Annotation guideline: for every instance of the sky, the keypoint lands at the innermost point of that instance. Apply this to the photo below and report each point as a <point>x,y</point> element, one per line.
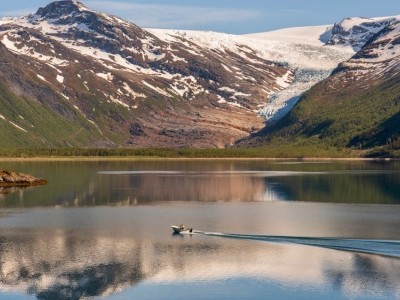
<point>229,16</point>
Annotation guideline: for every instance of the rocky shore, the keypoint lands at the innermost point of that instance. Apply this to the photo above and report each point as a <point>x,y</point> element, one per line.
<point>8,179</point>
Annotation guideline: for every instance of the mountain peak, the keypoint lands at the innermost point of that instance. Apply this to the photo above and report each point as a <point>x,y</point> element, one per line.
<point>357,31</point>
<point>59,9</point>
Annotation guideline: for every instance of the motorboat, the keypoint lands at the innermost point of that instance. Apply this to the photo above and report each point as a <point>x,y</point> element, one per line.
<point>181,228</point>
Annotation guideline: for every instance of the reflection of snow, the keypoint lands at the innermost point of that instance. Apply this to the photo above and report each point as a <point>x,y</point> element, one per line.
<point>270,194</point>
<point>273,192</point>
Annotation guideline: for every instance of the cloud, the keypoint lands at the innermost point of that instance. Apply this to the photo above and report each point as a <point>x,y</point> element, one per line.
<point>295,11</point>
<point>172,16</point>
<point>16,13</point>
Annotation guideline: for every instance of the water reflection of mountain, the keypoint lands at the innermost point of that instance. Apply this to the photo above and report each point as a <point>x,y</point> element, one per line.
<point>54,264</point>
<point>344,188</point>
<point>203,187</point>
<point>88,188</point>
<point>80,184</point>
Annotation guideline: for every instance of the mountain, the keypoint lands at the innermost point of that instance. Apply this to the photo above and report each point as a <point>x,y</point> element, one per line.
<point>357,106</point>
<point>356,32</point>
<point>107,83</point>
<point>74,77</point>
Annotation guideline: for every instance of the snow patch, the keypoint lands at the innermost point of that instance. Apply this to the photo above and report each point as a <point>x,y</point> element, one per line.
<point>226,68</point>
<point>27,51</point>
<point>131,92</point>
<point>117,101</point>
<point>19,127</point>
<point>157,89</point>
<point>221,99</point>
<point>106,76</point>
<point>65,96</point>
<point>60,78</point>
<point>95,125</point>
<point>227,89</point>
<point>284,81</point>
<point>41,78</point>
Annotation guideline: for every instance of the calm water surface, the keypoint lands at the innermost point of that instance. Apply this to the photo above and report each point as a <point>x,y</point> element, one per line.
<point>264,230</point>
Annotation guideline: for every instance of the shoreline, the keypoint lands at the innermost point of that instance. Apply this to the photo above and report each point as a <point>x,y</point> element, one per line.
<point>149,158</point>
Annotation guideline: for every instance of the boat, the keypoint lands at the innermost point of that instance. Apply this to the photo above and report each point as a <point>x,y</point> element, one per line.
<point>181,228</point>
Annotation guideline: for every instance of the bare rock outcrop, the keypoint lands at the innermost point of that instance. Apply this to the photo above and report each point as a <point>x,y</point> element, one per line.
<point>8,179</point>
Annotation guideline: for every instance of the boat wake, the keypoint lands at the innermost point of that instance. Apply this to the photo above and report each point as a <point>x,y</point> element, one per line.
<point>377,247</point>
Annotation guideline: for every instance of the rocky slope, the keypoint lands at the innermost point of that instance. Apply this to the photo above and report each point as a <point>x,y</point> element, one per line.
<point>357,106</point>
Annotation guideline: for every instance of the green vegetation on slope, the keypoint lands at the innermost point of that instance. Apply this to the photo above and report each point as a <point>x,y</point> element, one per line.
<point>354,119</point>
<point>38,125</point>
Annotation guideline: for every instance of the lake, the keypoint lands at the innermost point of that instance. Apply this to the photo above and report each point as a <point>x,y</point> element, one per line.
<point>263,230</point>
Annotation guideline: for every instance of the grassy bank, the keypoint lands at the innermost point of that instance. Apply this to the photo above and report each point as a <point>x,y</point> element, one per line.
<point>283,151</point>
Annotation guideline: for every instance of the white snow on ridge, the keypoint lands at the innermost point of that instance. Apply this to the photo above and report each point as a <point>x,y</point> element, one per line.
<point>301,47</point>
<point>286,46</point>
<point>380,60</point>
<point>24,50</point>
<point>7,20</point>
<point>355,32</point>
<point>313,35</point>
<point>349,23</point>
<point>386,50</point>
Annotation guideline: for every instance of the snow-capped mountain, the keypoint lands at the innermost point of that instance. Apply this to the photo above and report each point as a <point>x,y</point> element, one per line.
<point>111,83</point>
<point>313,53</point>
<point>356,32</point>
<point>357,106</point>
<point>160,92</point>
<point>377,61</point>
<point>303,50</point>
